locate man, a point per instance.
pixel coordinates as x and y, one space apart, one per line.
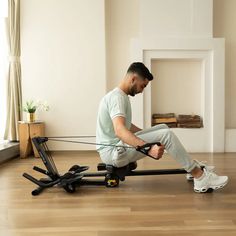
114 127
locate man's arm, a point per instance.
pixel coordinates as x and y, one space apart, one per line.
134 128
124 134
129 138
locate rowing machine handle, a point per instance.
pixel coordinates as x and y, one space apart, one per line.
146 147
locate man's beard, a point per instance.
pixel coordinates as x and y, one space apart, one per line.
133 90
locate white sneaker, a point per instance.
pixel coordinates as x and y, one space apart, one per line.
189 177
209 180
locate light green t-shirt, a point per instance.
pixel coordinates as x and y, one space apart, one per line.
113 104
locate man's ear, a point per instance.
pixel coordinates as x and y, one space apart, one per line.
133 78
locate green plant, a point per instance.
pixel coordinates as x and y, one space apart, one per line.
31 106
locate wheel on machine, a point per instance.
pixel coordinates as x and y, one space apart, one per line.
111 181
70 188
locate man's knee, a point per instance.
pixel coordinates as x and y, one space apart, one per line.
162 126
166 130
167 135
165 126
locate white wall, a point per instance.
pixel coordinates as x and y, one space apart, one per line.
122 24
224 26
175 18
183 29
172 77
61 39
63 62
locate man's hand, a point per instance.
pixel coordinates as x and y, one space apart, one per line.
156 151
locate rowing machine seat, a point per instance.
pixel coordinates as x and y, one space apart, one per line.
121 172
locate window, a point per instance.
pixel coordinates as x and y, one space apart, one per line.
3 66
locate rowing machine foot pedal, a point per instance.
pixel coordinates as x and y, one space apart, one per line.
78 169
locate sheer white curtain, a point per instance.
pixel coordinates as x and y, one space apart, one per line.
3 65
14 93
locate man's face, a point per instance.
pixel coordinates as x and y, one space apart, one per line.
137 85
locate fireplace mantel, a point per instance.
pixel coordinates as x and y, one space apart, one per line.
211 51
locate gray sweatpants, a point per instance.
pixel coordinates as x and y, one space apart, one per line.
160 133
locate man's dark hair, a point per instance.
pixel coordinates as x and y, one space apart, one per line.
140 69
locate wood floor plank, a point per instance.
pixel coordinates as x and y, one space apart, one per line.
142 205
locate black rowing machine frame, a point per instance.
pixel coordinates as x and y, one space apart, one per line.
77 175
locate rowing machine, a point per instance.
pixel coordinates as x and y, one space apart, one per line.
77 175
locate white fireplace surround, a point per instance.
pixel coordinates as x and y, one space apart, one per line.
211 52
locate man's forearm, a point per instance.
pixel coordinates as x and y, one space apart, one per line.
129 138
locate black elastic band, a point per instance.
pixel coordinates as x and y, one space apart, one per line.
141 149
74 136
83 142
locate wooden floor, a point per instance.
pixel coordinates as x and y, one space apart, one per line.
151 205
